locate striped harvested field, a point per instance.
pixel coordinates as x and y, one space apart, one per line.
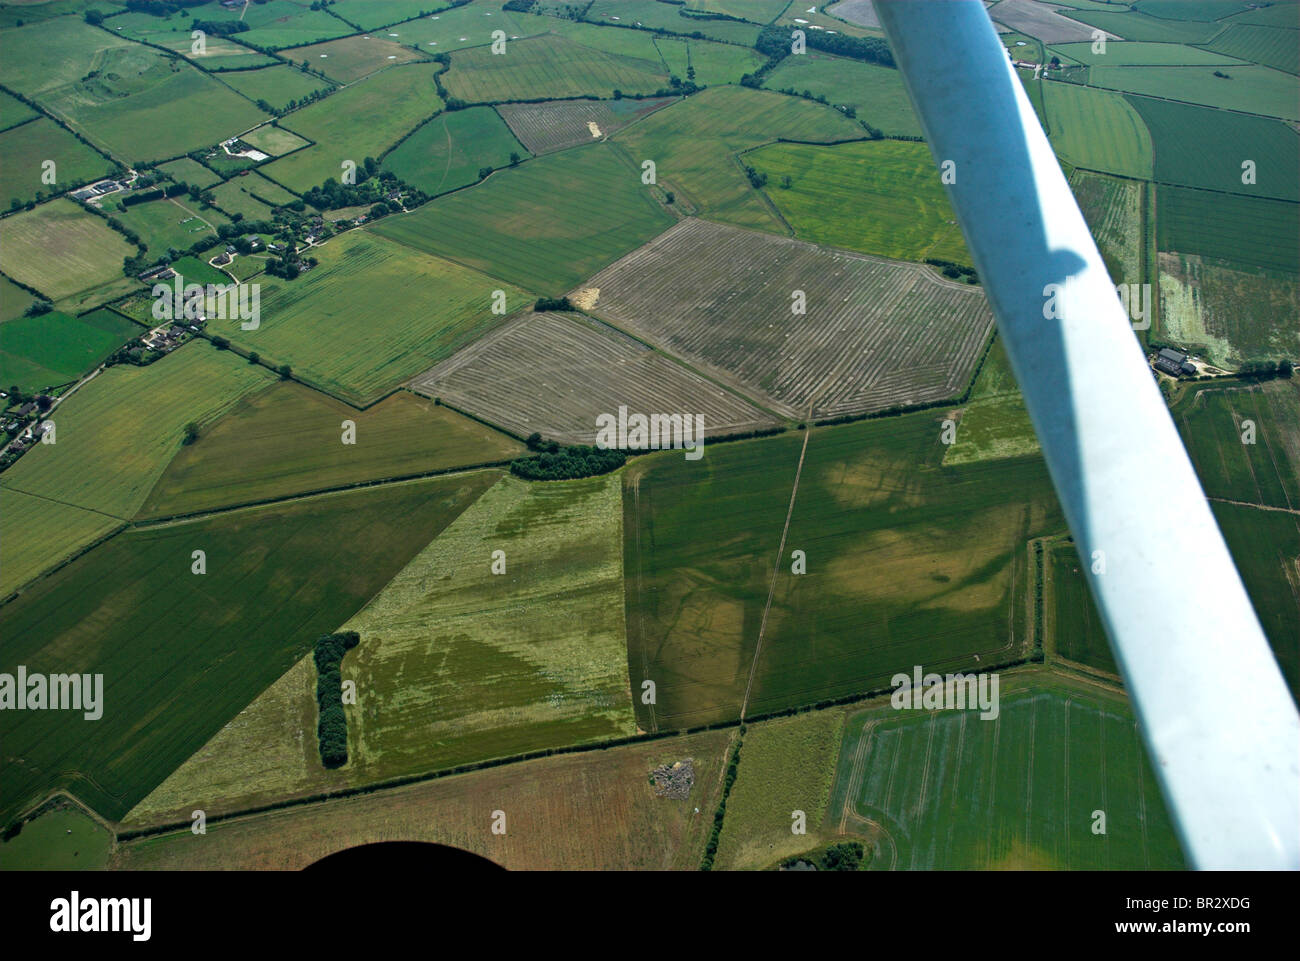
875 333
545 127
554 373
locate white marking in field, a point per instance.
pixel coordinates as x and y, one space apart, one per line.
595 131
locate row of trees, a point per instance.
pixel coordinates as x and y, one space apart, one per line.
332 730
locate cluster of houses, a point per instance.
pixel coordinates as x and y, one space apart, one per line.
167 337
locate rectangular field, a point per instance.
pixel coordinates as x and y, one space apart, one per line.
875 334
548 802
876 92
546 127
1113 209
370 315
946 790
876 197
60 250
907 562
288 439
352 58
544 225
1097 130
359 121
786 765
554 374
1074 628
1203 147
695 146
669 17
549 66
1275 47
1228 312
449 151
1248 88
1246 231
115 438
182 654
52 349
25 150
279 85
1265 471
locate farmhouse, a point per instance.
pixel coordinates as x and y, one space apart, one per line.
1174 363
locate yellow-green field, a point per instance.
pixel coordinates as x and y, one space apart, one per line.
456 664
289 439
786 765
879 196
114 438
60 249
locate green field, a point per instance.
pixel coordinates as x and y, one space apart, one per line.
351 58
906 560
1074 626
878 197
946 790
546 225
694 145
177 223
909 562
65 839
663 16
115 437
14 301
372 314
60 250
13 111
359 121
1097 130
449 150
135 103
369 14
1248 88
24 151
1267 471
273 140
1240 230
449 30
1130 54
279 85
283 23
236 196
1266 548
52 349
288 439
181 653
876 92
1285 14
1275 47
786 765
1132 25
551 66
713 63
1203 147
189 171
